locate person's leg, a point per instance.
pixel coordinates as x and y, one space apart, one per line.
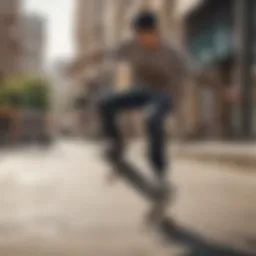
109 108
159 108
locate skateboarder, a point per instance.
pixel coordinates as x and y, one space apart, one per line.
158 71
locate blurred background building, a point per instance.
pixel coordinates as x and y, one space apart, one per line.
10 61
23 82
10 47
33 30
220 43
23 40
62 99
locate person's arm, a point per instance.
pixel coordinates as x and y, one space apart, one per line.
118 64
122 75
122 69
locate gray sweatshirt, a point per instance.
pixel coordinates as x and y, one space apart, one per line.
163 68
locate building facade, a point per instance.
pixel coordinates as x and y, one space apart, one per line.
10 48
10 61
217 46
33 30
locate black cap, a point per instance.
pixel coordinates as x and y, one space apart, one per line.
145 20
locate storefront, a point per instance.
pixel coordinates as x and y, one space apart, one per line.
210 32
210 40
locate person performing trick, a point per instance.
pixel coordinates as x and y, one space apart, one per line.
158 71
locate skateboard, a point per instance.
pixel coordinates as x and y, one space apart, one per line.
141 183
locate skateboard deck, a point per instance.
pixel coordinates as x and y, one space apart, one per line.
145 188
139 181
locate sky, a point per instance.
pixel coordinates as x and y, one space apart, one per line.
58 14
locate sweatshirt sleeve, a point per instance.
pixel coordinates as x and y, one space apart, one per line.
122 51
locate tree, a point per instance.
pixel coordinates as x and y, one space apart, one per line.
25 92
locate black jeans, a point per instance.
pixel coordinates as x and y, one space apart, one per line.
159 106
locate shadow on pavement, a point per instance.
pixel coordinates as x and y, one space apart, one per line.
250 243
199 246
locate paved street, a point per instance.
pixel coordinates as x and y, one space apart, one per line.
56 203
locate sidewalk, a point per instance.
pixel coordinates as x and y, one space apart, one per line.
240 154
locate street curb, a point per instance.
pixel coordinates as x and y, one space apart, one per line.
247 161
